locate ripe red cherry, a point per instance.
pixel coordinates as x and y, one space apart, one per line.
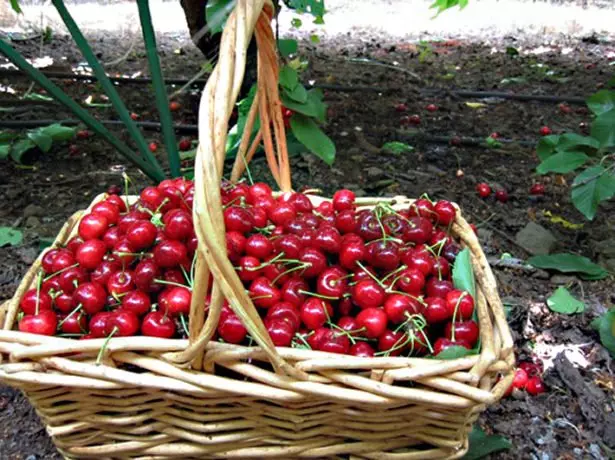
120 282
350 325
422 208
152 146
125 323
238 219
445 212
170 253
72 278
259 246
184 144
315 261
117 200
369 227
520 380
374 320
282 213
392 342
74 244
315 312
45 323
126 220
108 210
112 236
361 350
436 310
463 330
259 189
441 268
249 268
90 254
501 195
31 303
421 261
93 226
151 198
343 199
47 260
285 311
231 330
352 253
235 245
531 368
328 239
411 281
438 288
63 259
431 107
178 226
334 342
332 282
301 203
367 294
263 293
281 332
346 221
275 272
141 235
64 302
460 304
100 325
345 306
292 291
418 230
535 386
157 324
401 107
145 273
175 300
537 189
444 343
91 297
290 245
72 324
545 131
137 302
483 189
124 252
383 254
398 307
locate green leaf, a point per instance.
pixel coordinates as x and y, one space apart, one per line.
10 236
216 14
562 162
313 107
590 187
58 132
576 142
606 330
318 20
512 51
287 47
569 263
309 134
37 97
20 148
15 6
397 148
562 301
42 140
288 78
546 146
298 94
314 7
7 137
454 352
601 102
463 275
44 243
314 38
482 444
296 23
603 129
5 150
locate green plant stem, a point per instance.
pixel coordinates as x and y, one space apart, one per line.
154 172
166 121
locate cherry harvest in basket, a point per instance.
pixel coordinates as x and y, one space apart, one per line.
333 278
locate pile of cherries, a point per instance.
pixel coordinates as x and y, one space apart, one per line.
333 277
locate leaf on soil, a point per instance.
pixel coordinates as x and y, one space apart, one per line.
309 134
397 148
5 150
455 352
576 142
476 105
606 329
20 148
463 275
287 47
42 140
562 301
603 129
10 236
591 187
58 132
482 444
569 263
562 162
546 146
601 102
555 219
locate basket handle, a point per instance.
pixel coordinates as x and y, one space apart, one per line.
217 101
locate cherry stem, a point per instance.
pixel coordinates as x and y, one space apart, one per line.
171 283
70 315
403 267
396 346
302 339
60 271
232 202
186 276
193 268
105 344
418 299
39 281
320 296
126 194
455 311
182 320
369 273
302 266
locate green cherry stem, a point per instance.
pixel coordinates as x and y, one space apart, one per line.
101 352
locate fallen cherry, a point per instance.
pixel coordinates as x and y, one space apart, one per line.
483 189
535 386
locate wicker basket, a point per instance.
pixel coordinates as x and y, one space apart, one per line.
155 398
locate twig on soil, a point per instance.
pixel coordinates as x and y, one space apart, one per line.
388 66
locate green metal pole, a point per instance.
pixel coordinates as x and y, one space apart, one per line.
103 79
153 171
160 92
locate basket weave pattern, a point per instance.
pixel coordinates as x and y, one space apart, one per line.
155 398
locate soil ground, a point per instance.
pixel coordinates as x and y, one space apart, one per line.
574 418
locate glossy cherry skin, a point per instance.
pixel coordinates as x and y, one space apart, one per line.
346 221
368 227
418 230
301 203
334 342
281 332
107 209
92 226
137 302
436 310
460 304
235 245
483 189
51 286
343 199
71 278
157 324
249 268
259 246
420 261
290 245
263 293
33 302
90 254
445 212
48 258
91 297
45 323
100 324
285 311
535 386
64 303
117 201
112 236
422 208
361 350
383 255
351 253
350 325
125 323
293 291
519 381
151 198
332 282
392 342
145 273
367 294
463 330
74 243
72 324
374 320
532 368
411 281
141 235
258 189
175 300
315 260
282 213
441 268
63 259
443 343
178 226
120 282
537 189
315 312
238 219
438 288
328 239
398 307
231 330
170 253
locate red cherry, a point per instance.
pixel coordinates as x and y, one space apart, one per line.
249 268
438 288
282 213
315 312
443 343
126 220
91 297
275 272
263 293
422 208
137 302
398 307
90 254
63 259
421 261
120 282
369 227
446 212
93 226
290 245
259 189
141 235
334 342
100 324
124 252
367 294
292 291
460 304
374 320
315 338
235 245
170 253
175 300
231 330
281 332
301 203
383 254
483 189
125 323
64 303
33 302
466 331
83 134
346 221
352 253
315 261
441 268
350 325
145 273
285 311
545 131
345 306
48 258
401 107
411 281
501 196
157 324
259 246
361 350
343 199
72 324
45 323
108 210
535 386
436 310
117 201
328 239
114 190
184 145
431 107
72 278
174 106
325 208
178 226
520 380
532 369
537 189
153 146
112 236
73 244
238 219
332 282
392 342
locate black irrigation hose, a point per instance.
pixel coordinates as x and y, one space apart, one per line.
340 88
459 141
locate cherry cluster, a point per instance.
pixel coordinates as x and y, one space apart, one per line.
333 277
